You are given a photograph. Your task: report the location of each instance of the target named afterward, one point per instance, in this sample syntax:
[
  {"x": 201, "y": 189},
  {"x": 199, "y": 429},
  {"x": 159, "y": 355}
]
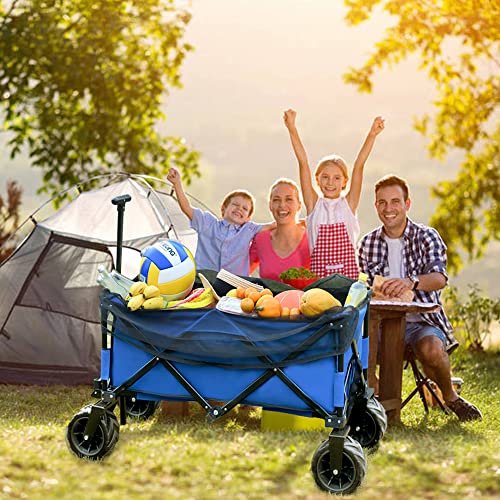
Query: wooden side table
[{"x": 389, "y": 318}]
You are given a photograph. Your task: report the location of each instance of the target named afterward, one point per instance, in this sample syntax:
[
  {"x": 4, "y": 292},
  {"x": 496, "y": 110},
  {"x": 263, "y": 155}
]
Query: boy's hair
[
  {"x": 332, "y": 160},
  {"x": 288, "y": 182},
  {"x": 244, "y": 194},
  {"x": 393, "y": 180}
]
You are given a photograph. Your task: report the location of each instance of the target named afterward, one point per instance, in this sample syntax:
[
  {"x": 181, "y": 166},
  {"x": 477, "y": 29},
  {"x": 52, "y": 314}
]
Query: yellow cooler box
[{"x": 278, "y": 421}]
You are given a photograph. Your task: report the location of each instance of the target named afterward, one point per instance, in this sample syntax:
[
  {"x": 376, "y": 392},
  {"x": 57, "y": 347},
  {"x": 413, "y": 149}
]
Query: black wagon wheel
[
  {"x": 348, "y": 479},
  {"x": 112, "y": 425},
  {"x": 100, "y": 443},
  {"x": 140, "y": 408},
  {"x": 113, "y": 429},
  {"x": 369, "y": 427}
]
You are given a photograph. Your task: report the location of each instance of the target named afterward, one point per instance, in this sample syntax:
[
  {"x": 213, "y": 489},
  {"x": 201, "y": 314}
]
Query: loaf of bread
[{"x": 406, "y": 296}]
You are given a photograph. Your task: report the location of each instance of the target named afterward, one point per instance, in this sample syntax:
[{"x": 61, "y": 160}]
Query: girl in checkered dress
[{"x": 332, "y": 223}]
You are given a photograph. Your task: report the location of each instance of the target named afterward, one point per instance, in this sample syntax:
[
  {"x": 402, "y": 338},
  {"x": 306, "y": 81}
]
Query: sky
[{"x": 255, "y": 58}]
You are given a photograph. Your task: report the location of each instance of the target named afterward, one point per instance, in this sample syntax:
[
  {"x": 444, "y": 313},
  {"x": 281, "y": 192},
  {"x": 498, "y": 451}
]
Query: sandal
[{"x": 464, "y": 410}]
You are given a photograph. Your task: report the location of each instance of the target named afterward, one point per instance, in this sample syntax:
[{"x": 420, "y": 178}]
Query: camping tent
[{"x": 49, "y": 298}]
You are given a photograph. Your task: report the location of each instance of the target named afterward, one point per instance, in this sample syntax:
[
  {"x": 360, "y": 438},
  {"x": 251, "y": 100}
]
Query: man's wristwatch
[{"x": 414, "y": 279}]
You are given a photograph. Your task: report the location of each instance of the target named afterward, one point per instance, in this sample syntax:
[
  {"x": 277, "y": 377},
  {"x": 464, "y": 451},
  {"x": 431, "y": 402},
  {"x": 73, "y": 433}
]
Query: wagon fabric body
[{"x": 313, "y": 367}]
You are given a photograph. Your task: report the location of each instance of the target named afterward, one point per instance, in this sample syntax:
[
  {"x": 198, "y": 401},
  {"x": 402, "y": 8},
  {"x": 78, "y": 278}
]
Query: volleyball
[{"x": 170, "y": 266}]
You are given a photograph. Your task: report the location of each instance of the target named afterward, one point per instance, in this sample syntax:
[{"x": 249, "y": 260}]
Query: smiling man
[{"x": 413, "y": 257}]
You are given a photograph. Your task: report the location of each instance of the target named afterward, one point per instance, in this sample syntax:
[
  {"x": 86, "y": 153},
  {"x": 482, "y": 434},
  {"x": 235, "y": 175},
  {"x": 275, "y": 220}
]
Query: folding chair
[{"x": 421, "y": 381}]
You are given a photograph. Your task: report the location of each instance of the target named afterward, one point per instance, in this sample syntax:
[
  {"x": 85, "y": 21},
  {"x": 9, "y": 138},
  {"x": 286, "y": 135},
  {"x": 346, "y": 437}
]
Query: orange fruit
[
  {"x": 263, "y": 299},
  {"x": 240, "y": 292},
  {"x": 266, "y": 291},
  {"x": 270, "y": 308},
  {"x": 255, "y": 296},
  {"x": 249, "y": 290},
  {"x": 247, "y": 305},
  {"x": 294, "y": 313}
]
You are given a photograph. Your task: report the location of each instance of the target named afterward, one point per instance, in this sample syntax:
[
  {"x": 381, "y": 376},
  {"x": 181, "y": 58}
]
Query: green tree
[
  {"x": 473, "y": 316},
  {"x": 82, "y": 82},
  {"x": 9, "y": 217},
  {"x": 458, "y": 43}
]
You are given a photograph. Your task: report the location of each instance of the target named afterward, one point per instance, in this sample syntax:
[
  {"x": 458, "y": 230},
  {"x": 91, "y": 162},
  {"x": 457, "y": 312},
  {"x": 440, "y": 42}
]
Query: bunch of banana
[
  {"x": 135, "y": 299},
  {"x": 137, "y": 288},
  {"x": 154, "y": 299},
  {"x": 142, "y": 296}
]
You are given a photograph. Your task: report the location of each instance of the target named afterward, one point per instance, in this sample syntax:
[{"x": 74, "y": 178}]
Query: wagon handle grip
[{"x": 120, "y": 201}]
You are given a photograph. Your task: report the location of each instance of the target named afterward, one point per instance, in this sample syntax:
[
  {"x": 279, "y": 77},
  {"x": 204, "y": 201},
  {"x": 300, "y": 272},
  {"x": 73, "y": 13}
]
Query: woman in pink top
[{"x": 286, "y": 245}]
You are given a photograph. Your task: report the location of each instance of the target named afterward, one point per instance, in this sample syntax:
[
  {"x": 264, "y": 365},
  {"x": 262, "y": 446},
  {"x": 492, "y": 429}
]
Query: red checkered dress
[{"x": 334, "y": 252}]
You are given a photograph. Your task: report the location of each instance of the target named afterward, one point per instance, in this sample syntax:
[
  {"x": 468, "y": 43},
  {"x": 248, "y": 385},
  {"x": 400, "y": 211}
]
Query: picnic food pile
[{"x": 290, "y": 304}]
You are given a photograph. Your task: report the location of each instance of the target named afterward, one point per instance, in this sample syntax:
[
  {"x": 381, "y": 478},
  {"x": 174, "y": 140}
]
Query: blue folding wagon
[{"x": 312, "y": 367}]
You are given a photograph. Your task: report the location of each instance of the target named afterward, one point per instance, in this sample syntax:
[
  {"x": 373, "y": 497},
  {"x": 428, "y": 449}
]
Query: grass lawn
[{"x": 433, "y": 457}]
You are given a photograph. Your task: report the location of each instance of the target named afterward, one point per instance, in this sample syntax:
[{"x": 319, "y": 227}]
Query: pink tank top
[{"x": 271, "y": 264}]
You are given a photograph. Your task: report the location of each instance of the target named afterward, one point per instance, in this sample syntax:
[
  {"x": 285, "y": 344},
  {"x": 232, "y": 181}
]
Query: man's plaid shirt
[{"x": 423, "y": 252}]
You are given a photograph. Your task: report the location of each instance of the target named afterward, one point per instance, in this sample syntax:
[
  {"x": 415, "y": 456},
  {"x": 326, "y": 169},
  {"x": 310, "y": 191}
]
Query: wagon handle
[{"x": 120, "y": 201}]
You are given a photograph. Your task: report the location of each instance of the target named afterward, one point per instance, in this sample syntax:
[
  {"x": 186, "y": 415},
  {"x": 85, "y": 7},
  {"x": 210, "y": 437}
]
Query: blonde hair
[
  {"x": 332, "y": 160},
  {"x": 288, "y": 182},
  {"x": 244, "y": 194}
]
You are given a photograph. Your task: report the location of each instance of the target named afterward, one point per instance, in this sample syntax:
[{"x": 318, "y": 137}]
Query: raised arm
[
  {"x": 354, "y": 193},
  {"x": 308, "y": 192},
  {"x": 174, "y": 177}
]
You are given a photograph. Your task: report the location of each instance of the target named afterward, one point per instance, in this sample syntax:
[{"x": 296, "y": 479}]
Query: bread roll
[{"x": 406, "y": 296}]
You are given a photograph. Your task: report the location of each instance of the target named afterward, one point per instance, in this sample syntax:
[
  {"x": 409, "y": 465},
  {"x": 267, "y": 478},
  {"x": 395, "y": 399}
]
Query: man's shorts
[{"x": 416, "y": 330}]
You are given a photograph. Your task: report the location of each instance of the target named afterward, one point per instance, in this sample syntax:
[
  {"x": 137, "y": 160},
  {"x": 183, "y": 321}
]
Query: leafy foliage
[
  {"x": 82, "y": 81},
  {"x": 297, "y": 273},
  {"x": 9, "y": 217},
  {"x": 474, "y": 316},
  {"x": 458, "y": 42}
]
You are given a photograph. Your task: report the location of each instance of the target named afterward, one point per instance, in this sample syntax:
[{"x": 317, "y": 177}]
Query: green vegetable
[{"x": 297, "y": 273}]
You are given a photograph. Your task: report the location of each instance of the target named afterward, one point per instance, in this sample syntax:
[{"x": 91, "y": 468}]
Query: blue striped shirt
[
  {"x": 222, "y": 245},
  {"x": 423, "y": 252}
]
